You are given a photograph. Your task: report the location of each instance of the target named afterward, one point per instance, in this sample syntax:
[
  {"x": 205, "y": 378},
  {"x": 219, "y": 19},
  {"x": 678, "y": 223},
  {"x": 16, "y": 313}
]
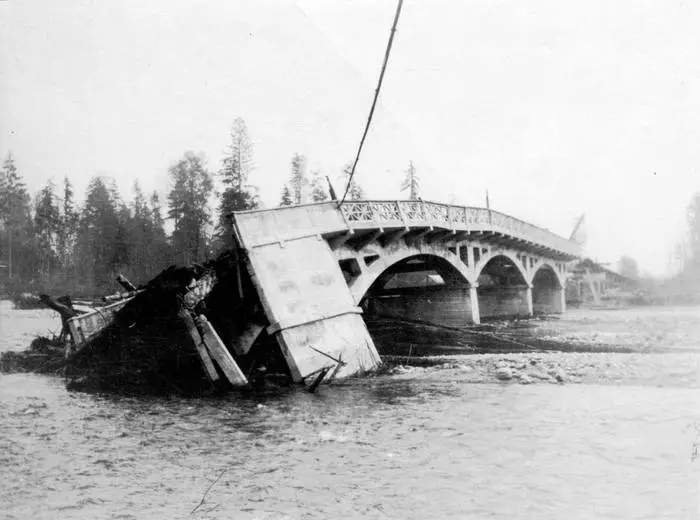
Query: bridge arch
[
  {"x": 484, "y": 261},
  {"x": 547, "y": 265},
  {"x": 427, "y": 284},
  {"x": 369, "y": 275},
  {"x": 503, "y": 286},
  {"x": 548, "y": 290}
]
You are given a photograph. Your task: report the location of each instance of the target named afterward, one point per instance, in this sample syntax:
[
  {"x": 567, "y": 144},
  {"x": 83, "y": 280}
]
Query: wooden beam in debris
[
  {"x": 220, "y": 353},
  {"x": 120, "y": 296},
  {"x": 64, "y": 307},
  {"x": 200, "y": 290},
  {"x": 207, "y": 364},
  {"x": 319, "y": 378},
  {"x": 65, "y": 311},
  {"x": 124, "y": 282}
]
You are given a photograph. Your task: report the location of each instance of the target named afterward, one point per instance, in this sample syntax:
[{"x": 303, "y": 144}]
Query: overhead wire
[{"x": 374, "y": 101}]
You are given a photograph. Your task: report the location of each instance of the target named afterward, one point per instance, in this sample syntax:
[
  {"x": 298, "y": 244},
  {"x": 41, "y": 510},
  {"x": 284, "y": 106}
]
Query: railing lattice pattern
[{"x": 379, "y": 214}]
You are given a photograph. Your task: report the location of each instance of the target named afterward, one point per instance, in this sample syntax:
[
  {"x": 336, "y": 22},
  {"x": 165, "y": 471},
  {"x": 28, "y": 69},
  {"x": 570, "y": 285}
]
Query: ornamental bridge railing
[{"x": 368, "y": 214}]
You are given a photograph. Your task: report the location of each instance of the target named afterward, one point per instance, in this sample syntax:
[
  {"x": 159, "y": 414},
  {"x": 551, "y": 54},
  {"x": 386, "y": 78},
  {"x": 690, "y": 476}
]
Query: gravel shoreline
[{"x": 653, "y": 369}]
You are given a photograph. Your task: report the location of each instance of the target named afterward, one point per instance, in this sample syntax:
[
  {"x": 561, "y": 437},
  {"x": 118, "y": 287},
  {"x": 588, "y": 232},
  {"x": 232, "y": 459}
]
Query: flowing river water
[{"x": 613, "y": 437}]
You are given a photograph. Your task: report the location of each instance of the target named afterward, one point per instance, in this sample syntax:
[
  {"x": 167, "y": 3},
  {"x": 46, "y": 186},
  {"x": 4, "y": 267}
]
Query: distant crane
[{"x": 577, "y": 227}]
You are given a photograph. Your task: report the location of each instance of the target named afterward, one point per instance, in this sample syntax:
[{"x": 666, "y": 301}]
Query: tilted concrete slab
[{"x": 310, "y": 308}]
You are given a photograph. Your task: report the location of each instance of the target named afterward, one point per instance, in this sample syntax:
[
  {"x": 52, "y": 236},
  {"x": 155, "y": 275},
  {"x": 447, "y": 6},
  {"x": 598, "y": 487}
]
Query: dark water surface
[{"x": 426, "y": 443}]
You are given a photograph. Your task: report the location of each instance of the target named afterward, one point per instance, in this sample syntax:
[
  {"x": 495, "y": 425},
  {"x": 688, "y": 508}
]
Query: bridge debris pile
[
  {"x": 176, "y": 335},
  {"x": 180, "y": 333}
]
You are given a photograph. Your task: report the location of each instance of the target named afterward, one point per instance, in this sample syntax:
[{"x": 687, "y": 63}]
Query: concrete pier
[
  {"x": 449, "y": 307},
  {"x": 511, "y": 301}
]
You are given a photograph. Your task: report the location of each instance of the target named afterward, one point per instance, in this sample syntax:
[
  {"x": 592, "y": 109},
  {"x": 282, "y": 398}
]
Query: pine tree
[
  {"x": 298, "y": 180},
  {"x": 99, "y": 236},
  {"x": 139, "y": 230},
  {"x": 161, "y": 250},
  {"x": 156, "y": 213},
  {"x": 47, "y": 224},
  {"x": 355, "y": 191},
  {"x": 236, "y": 167},
  {"x": 124, "y": 242},
  {"x": 68, "y": 227},
  {"x": 411, "y": 182},
  {"x": 286, "y": 199},
  {"x": 238, "y": 163},
  {"x": 144, "y": 247},
  {"x": 318, "y": 187},
  {"x": 187, "y": 207},
  {"x": 15, "y": 214}
]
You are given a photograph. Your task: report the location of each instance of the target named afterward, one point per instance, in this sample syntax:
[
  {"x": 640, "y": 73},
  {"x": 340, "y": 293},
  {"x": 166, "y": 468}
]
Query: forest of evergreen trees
[{"x": 52, "y": 243}]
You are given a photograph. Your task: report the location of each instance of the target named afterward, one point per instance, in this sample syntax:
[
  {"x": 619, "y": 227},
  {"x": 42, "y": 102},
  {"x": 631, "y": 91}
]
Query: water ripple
[{"x": 416, "y": 444}]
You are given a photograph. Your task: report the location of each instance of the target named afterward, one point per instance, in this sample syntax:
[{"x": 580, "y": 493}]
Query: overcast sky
[{"x": 557, "y": 107}]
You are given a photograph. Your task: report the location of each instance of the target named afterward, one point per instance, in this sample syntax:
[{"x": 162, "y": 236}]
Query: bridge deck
[{"x": 260, "y": 227}]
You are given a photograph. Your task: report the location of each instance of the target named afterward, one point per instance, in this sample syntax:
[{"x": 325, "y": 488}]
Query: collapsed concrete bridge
[{"x": 318, "y": 267}]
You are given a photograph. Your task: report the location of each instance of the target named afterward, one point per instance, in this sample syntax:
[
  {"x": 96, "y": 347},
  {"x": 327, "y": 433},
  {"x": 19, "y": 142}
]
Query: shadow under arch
[
  {"x": 422, "y": 288},
  {"x": 547, "y": 291},
  {"x": 481, "y": 265},
  {"x": 561, "y": 280},
  {"x": 503, "y": 289},
  {"x": 368, "y": 277}
]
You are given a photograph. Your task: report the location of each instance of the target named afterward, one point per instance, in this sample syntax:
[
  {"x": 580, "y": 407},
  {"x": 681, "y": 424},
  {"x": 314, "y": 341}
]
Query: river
[{"x": 614, "y": 440}]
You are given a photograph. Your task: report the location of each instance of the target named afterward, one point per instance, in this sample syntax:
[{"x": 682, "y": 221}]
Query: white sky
[{"x": 557, "y": 107}]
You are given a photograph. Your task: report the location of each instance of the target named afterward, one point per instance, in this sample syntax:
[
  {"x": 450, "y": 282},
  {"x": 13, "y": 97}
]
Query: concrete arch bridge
[{"x": 318, "y": 267}]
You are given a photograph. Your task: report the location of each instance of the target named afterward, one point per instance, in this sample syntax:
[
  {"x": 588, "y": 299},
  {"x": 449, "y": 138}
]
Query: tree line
[{"x": 53, "y": 243}]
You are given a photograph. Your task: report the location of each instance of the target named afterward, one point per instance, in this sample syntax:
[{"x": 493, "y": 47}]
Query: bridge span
[{"x": 317, "y": 268}]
